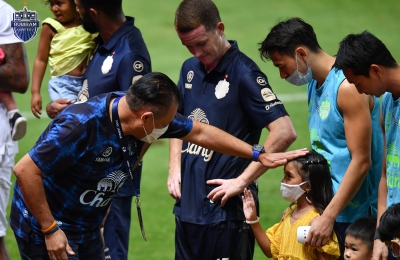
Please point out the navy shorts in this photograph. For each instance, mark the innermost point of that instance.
(91, 250)
(116, 228)
(231, 240)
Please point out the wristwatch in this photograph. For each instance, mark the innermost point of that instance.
(257, 149)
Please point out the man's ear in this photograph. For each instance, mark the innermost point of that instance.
(145, 116)
(375, 70)
(220, 28)
(93, 14)
(301, 52)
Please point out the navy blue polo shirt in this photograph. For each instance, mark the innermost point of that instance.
(114, 66)
(82, 166)
(235, 97)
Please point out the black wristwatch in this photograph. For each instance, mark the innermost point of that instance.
(257, 149)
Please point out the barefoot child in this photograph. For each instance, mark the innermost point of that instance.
(307, 184)
(66, 46)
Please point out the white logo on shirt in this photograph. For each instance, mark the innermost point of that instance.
(190, 76)
(261, 81)
(107, 152)
(138, 66)
(107, 64)
(195, 149)
(267, 94)
(112, 183)
(222, 89)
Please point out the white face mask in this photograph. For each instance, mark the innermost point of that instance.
(292, 192)
(157, 132)
(299, 79)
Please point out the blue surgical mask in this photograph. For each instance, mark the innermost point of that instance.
(299, 79)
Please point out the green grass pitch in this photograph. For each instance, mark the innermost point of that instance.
(248, 22)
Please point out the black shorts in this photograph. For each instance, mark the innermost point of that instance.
(223, 240)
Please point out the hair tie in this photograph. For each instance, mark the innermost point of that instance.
(316, 162)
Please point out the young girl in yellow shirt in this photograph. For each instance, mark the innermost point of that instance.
(66, 46)
(307, 184)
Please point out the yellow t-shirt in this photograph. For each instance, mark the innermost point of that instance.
(284, 244)
(68, 48)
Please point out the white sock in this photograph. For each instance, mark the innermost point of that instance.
(12, 112)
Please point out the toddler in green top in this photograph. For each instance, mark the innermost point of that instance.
(66, 46)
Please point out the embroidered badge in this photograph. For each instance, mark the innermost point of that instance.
(267, 94)
(222, 88)
(107, 64)
(190, 76)
(138, 66)
(136, 78)
(261, 81)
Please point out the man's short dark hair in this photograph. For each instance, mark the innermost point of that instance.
(154, 91)
(112, 8)
(191, 14)
(364, 229)
(389, 223)
(286, 36)
(359, 51)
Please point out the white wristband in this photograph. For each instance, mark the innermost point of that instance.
(252, 221)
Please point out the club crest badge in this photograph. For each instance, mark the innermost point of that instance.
(189, 78)
(107, 64)
(25, 24)
(222, 88)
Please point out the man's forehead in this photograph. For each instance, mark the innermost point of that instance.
(276, 57)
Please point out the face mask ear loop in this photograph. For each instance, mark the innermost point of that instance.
(144, 128)
(297, 64)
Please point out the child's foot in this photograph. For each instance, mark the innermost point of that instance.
(18, 126)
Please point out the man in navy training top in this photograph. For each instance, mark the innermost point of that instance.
(121, 57)
(222, 87)
(67, 180)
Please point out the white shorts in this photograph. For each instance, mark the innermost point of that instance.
(6, 167)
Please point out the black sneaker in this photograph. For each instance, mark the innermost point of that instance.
(18, 126)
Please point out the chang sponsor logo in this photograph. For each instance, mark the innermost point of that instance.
(194, 149)
(101, 197)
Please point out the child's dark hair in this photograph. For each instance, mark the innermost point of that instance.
(364, 229)
(314, 168)
(47, 2)
(389, 223)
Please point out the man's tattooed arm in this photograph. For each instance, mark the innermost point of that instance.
(14, 72)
